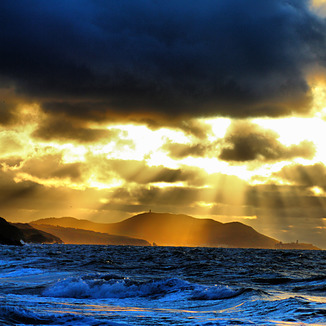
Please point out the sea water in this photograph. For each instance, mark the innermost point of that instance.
(121, 285)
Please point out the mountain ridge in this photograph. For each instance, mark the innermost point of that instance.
(33, 235)
(81, 236)
(174, 230)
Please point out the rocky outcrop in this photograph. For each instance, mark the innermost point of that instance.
(19, 233)
(9, 234)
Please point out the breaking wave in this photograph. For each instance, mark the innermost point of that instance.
(100, 287)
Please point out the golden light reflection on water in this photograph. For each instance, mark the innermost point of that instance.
(108, 309)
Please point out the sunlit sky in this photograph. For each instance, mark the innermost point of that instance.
(215, 109)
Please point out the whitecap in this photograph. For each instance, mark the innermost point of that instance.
(101, 288)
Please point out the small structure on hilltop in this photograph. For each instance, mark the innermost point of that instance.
(296, 245)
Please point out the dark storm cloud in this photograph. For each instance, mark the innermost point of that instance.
(139, 172)
(246, 141)
(28, 195)
(98, 111)
(306, 176)
(60, 127)
(51, 167)
(25, 194)
(233, 57)
(7, 113)
(11, 161)
(179, 151)
(81, 109)
(11, 191)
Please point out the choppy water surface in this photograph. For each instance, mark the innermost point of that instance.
(108, 285)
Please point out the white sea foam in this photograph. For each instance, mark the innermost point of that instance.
(215, 292)
(124, 288)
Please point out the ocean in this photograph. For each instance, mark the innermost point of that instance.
(122, 285)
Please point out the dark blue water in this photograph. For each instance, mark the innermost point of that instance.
(108, 285)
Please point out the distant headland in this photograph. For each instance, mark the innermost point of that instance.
(149, 228)
(296, 245)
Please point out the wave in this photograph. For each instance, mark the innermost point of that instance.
(112, 286)
(12, 316)
(23, 272)
(316, 284)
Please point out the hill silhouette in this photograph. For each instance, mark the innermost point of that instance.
(17, 233)
(9, 234)
(81, 236)
(174, 230)
(32, 235)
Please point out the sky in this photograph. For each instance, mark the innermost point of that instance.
(211, 108)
